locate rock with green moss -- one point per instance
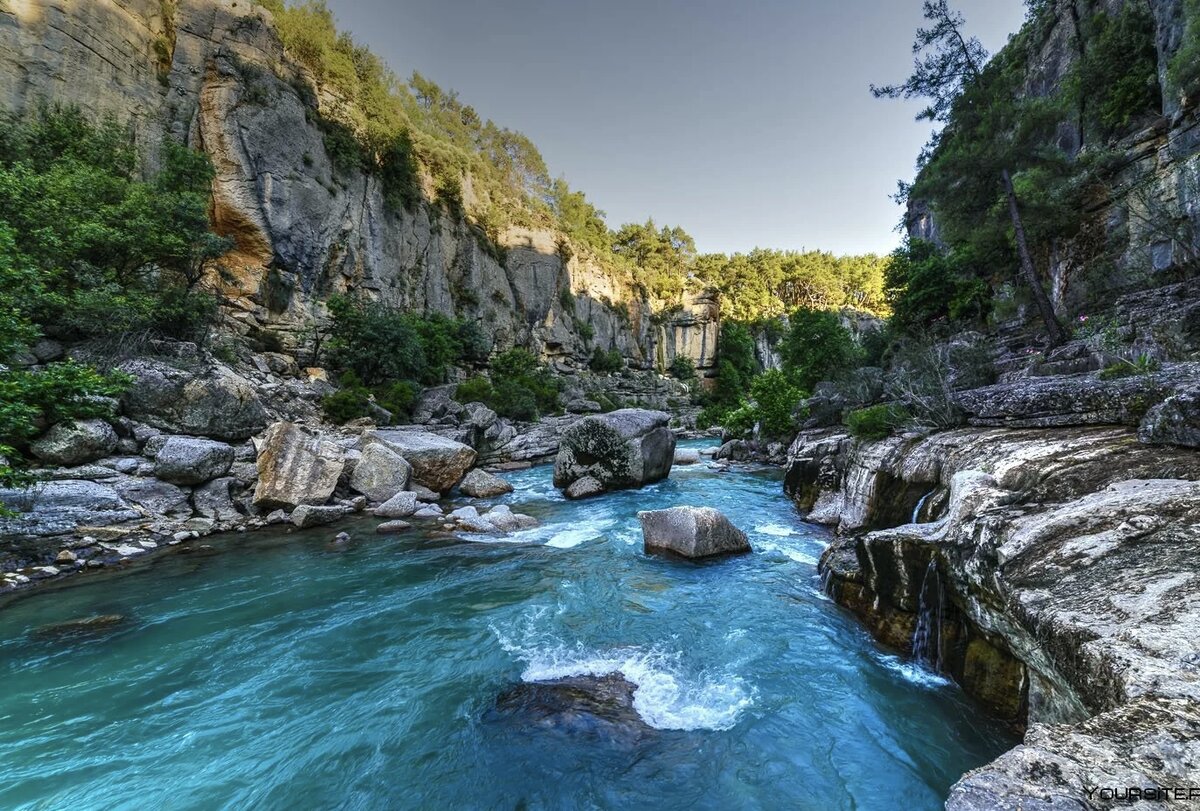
(623, 449)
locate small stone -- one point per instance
(66, 556)
(401, 505)
(584, 488)
(341, 538)
(390, 527)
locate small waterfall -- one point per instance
(927, 638)
(916, 513)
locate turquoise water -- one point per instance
(288, 674)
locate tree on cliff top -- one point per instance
(949, 67)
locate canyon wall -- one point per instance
(213, 74)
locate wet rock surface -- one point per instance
(1066, 588)
(691, 532)
(599, 707)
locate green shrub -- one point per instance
(586, 331)
(515, 401)
(817, 347)
(567, 300)
(604, 362)
(1142, 365)
(740, 421)
(1184, 70)
(347, 404)
(477, 389)
(775, 400)
(876, 422)
(683, 369)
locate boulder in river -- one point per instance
(307, 515)
(481, 484)
(380, 472)
(437, 462)
(401, 505)
(687, 456)
(691, 532)
(296, 466)
(75, 442)
(591, 706)
(628, 448)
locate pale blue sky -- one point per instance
(748, 123)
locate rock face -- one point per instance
(691, 532)
(1051, 572)
(380, 472)
(437, 463)
(1174, 421)
(75, 443)
(212, 402)
(481, 484)
(626, 448)
(187, 460)
(296, 466)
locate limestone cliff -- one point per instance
(1144, 223)
(213, 74)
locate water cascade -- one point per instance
(927, 638)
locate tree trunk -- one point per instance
(1054, 329)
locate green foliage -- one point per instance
(355, 400)
(477, 389)
(30, 400)
(1141, 365)
(520, 387)
(766, 284)
(775, 400)
(1184, 70)
(1118, 75)
(380, 344)
(928, 289)
(103, 253)
(876, 422)
(659, 257)
(816, 347)
(567, 299)
(606, 362)
(683, 369)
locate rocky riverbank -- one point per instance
(201, 445)
(1051, 571)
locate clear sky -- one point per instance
(747, 122)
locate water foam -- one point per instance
(664, 697)
(912, 672)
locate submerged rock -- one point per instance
(691, 532)
(84, 626)
(627, 448)
(306, 515)
(592, 706)
(391, 527)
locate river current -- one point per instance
(282, 672)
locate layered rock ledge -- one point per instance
(1053, 573)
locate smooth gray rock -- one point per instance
(392, 527)
(626, 448)
(308, 515)
(296, 466)
(189, 460)
(380, 472)
(686, 456)
(437, 462)
(691, 532)
(75, 442)
(153, 497)
(481, 484)
(423, 493)
(584, 488)
(401, 505)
